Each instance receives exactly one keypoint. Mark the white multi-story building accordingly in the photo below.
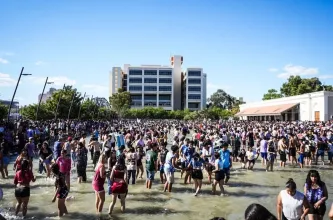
(115, 80)
(161, 86)
(46, 95)
(195, 82)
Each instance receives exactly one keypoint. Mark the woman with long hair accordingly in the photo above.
(169, 168)
(197, 164)
(258, 212)
(22, 180)
(316, 192)
(81, 162)
(119, 183)
(291, 204)
(98, 183)
(61, 190)
(18, 162)
(45, 157)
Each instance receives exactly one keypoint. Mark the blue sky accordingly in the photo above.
(246, 46)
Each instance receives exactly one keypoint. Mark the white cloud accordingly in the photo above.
(38, 63)
(6, 80)
(96, 90)
(3, 61)
(58, 81)
(291, 70)
(273, 70)
(326, 77)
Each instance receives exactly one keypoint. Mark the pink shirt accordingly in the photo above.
(64, 164)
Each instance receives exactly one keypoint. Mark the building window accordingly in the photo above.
(161, 80)
(194, 73)
(136, 97)
(165, 72)
(150, 103)
(164, 98)
(194, 81)
(150, 72)
(136, 103)
(135, 80)
(194, 96)
(135, 72)
(164, 104)
(150, 88)
(150, 97)
(193, 105)
(150, 80)
(165, 88)
(135, 88)
(194, 89)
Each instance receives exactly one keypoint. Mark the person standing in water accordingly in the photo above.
(22, 180)
(151, 165)
(61, 190)
(225, 156)
(197, 164)
(292, 204)
(169, 168)
(98, 183)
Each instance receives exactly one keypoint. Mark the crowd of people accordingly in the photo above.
(122, 151)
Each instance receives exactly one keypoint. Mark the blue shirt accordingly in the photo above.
(197, 164)
(225, 158)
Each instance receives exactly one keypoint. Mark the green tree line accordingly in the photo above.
(296, 85)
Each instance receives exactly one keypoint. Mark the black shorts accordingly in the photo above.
(81, 170)
(319, 211)
(219, 175)
(21, 192)
(292, 152)
(113, 145)
(197, 174)
(209, 167)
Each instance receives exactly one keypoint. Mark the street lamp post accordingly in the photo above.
(41, 97)
(70, 107)
(81, 106)
(18, 81)
(56, 113)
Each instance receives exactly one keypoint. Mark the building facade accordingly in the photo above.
(46, 95)
(317, 106)
(162, 86)
(115, 82)
(195, 86)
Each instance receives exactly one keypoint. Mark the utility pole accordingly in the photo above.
(56, 113)
(18, 82)
(81, 106)
(41, 97)
(70, 107)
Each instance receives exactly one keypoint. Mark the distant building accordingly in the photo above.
(162, 86)
(46, 95)
(15, 106)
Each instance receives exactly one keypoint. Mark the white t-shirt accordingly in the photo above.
(292, 206)
(251, 155)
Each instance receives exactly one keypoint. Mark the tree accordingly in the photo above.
(272, 94)
(120, 102)
(29, 112)
(3, 111)
(222, 100)
(66, 96)
(298, 86)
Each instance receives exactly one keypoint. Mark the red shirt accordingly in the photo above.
(23, 179)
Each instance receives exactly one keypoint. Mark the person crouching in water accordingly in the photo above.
(64, 163)
(61, 190)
